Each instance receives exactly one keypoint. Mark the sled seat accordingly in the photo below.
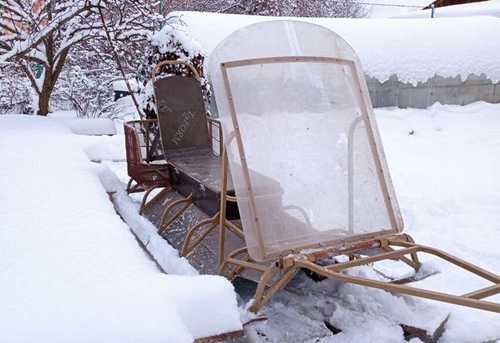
(197, 172)
(146, 166)
(192, 145)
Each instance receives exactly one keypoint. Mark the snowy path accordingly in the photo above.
(70, 270)
(446, 176)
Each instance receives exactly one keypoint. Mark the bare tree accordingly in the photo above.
(39, 38)
(15, 94)
(85, 82)
(292, 8)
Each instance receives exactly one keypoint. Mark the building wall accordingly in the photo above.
(453, 91)
(36, 7)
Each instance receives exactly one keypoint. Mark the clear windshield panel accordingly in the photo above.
(312, 176)
(305, 156)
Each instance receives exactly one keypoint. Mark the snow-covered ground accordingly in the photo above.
(445, 166)
(70, 269)
(93, 126)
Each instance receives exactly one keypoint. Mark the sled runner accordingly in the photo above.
(307, 166)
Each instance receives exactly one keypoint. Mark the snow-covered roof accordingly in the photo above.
(485, 8)
(414, 49)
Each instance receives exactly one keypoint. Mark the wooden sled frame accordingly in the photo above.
(277, 272)
(176, 208)
(167, 218)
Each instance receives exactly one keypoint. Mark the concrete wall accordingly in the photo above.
(444, 90)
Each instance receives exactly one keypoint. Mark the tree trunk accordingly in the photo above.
(52, 72)
(43, 103)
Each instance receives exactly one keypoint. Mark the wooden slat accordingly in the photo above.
(483, 292)
(371, 259)
(401, 289)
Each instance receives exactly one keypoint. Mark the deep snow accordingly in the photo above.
(92, 126)
(446, 178)
(444, 164)
(70, 269)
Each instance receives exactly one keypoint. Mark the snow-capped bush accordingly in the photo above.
(171, 43)
(85, 82)
(15, 92)
(87, 94)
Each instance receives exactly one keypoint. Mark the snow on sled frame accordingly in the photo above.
(272, 249)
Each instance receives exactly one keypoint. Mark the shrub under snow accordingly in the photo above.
(171, 43)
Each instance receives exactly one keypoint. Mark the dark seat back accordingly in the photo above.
(132, 150)
(181, 114)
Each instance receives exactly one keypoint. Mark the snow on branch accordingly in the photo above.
(20, 45)
(38, 36)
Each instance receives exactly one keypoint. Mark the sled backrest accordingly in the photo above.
(132, 148)
(295, 108)
(181, 114)
(142, 142)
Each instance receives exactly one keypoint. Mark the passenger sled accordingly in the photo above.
(289, 177)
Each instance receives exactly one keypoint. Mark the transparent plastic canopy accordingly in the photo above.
(303, 148)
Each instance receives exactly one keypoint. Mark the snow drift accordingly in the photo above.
(93, 126)
(70, 269)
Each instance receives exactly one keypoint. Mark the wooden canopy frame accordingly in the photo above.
(364, 103)
(277, 270)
